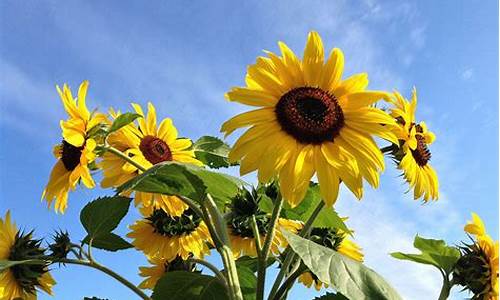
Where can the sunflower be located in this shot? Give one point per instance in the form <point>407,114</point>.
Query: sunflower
<point>147,145</point>
<point>164,236</point>
<point>411,152</point>
<point>477,268</point>
<point>336,240</point>
<point>245,205</point>
<point>76,151</point>
<point>159,267</point>
<point>310,121</point>
<point>21,281</point>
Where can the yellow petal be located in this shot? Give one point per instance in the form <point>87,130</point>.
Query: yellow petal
<point>332,72</point>
<point>313,59</point>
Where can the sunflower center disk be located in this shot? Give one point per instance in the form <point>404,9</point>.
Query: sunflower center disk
<point>70,155</point>
<point>310,115</point>
<point>421,154</point>
<point>155,150</point>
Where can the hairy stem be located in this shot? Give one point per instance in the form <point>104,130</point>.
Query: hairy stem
<point>289,254</point>
<point>262,259</point>
<point>258,249</point>
<point>109,272</point>
<point>211,267</point>
<point>220,228</point>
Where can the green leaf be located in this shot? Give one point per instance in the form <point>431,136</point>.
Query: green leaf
<point>123,120</point>
<point>433,252</point>
<point>248,282</point>
<point>180,285</point>
<point>351,278</point>
<point>109,242</point>
<point>252,262</point>
<point>212,151</point>
<point>101,216</point>
<point>173,178</point>
<point>332,296</point>
<point>5,264</point>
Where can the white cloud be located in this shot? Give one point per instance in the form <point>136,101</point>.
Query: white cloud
<point>467,74</point>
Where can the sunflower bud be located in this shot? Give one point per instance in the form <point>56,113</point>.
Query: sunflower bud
<point>329,237</point>
<point>244,205</point>
<point>61,246</point>
<point>473,271</point>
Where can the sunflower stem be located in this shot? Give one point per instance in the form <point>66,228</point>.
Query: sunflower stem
<point>124,157</point>
<point>445,289</point>
<point>290,255</point>
<point>107,271</point>
<point>283,290</point>
<point>225,250</point>
<point>262,259</point>
<point>256,234</point>
<point>211,267</point>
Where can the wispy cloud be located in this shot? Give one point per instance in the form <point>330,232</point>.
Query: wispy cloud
<point>467,74</point>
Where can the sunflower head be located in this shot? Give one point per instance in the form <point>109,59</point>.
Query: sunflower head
<point>164,236</point>
<point>473,271</point>
<point>309,121</point>
<point>22,280</point>
<point>243,206</point>
<point>329,237</point>
<point>27,275</point>
<point>61,245</point>
<point>167,225</point>
<point>411,153</point>
<point>477,268</point>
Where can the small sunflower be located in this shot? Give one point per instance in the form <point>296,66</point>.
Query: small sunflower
<point>21,281</point>
<point>477,268</point>
<point>411,152</point>
<point>147,145</point>
<point>336,240</point>
<point>76,151</point>
<point>310,121</point>
<point>159,267</point>
<point>164,236</point>
<point>241,235</point>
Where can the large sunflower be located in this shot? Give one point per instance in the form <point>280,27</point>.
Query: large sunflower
<point>310,122</point>
<point>164,236</point>
<point>21,281</point>
<point>477,268</point>
<point>147,145</point>
<point>335,240</point>
<point>411,152</point>
<point>76,151</point>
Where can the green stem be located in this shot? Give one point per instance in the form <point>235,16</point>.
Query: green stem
<point>445,290</point>
<point>289,254</point>
<point>256,234</point>
<point>124,157</point>
<point>266,248</point>
<point>283,290</point>
<point>225,250</point>
<point>211,268</point>
<point>110,272</point>
<point>258,249</point>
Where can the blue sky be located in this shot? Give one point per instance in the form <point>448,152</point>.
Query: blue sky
<point>183,56</point>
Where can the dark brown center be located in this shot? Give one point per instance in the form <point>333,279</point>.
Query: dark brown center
<point>155,150</point>
<point>70,155</point>
<point>310,115</point>
<point>421,154</point>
